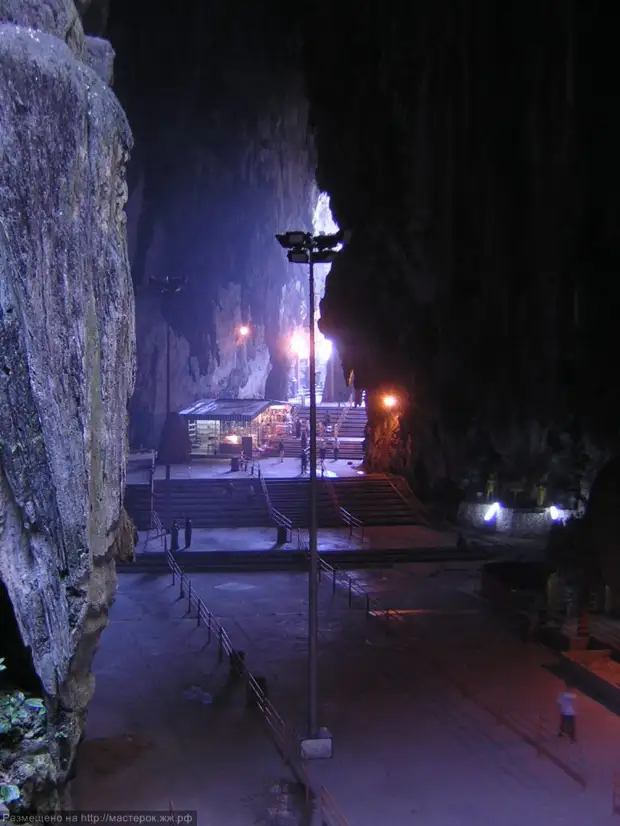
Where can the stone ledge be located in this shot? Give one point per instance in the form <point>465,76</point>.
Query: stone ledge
<point>602,688</point>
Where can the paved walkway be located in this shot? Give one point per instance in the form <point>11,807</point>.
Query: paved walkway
<point>150,738</point>
<point>271,468</point>
<point>330,539</point>
<point>409,746</point>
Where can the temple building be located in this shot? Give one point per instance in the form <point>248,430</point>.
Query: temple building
<point>227,427</point>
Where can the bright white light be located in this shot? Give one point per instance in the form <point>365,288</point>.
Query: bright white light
<point>492,511</point>
<point>322,223</point>
<point>554,513</point>
<point>390,402</point>
<point>324,349</point>
<point>299,346</point>
<point>244,331</point>
<point>322,218</point>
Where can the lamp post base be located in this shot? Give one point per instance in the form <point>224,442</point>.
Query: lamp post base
<point>319,747</point>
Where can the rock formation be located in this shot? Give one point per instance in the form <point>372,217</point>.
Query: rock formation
<point>67,357</point>
<point>222,163</point>
<point>472,149</point>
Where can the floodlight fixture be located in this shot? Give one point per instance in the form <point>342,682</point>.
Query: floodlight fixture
<point>298,256</point>
<point>328,242</point>
<point>293,239</point>
<point>325,256</point>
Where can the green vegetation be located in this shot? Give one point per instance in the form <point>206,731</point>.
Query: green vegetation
<point>21,718</point>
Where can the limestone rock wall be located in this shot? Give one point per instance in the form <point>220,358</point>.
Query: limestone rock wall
<point>472,149</point>
<point>223,161</point>
<point>67,353</point>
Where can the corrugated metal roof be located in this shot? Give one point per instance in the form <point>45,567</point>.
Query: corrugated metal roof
<point>226,410</point>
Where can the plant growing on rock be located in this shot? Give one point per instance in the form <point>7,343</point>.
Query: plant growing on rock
<point>16,713</point>
<point>9,792</point>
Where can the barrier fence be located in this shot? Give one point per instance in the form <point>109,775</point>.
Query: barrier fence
<point>354,524</point>
<point>157,531</point>
<point>283,522</point>
<point>284,736</point>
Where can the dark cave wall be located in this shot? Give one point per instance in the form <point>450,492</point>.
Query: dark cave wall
<point>222,162</point>
<point>472,149</point>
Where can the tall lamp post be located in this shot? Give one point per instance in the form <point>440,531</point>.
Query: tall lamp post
<point>170,286</point>
<point>304,248</point>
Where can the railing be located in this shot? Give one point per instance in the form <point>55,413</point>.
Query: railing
<point>354,524</point>
<point>285,738</point>
<point>152,494</point>
<point>251,466</point>
<point>157,529</point>
<point>412,503</point>
<point>283,522</point>
<point>266,494</point>
<point>303,543</point>
<point>347,406</point>
<point>331,815</point>
<point>279,518</point>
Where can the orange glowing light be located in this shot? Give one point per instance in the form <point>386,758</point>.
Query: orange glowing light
<point>390,402</point>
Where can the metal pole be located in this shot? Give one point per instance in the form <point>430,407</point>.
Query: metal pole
<point>168,518</point>
<point>313,612</point>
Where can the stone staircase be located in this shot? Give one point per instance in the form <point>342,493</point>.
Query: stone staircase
<point>138,505</point>
<point>292,498</point>
<point>211,503</point>
<point>353,423</point>
<point>351,431</point>
<point>375,500</point>
<point>350,450</point>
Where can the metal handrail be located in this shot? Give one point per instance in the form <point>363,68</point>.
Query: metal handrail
<point>347,406</point>
<point>280,519</point>
<point>157,528</point>
<point>353,522</point>
<point>285,737</point>
<point>331,813</point>
<point>410,503</point>
<point>266,494</point>
<point>303,544</point>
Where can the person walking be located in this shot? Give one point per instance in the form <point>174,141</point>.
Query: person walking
<point>336,448</point>
<point>567,704</point>
<point>281,450</point>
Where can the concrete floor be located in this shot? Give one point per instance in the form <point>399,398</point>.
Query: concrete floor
<point>271,468</point>
<point>151,742</point>
<point>330,539</point>
<point>409,747</point>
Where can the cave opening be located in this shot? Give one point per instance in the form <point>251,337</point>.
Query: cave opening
<point>19,670</point>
